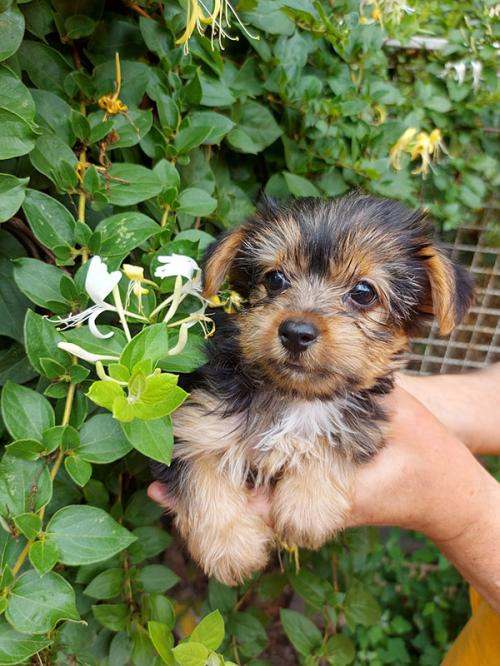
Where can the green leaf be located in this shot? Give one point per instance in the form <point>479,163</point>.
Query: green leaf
<point>12,192</point>
<point>249,631</point>
<point>102,440</point>
<point>161,609</point>
<point>79,25</point>
<point>78,469</point>
<point>53,114</point>
<point>208,91</point>
<point>16,648</point>
<point>157,578</point>
<point>43,556</point>
<point>104,393</point>
<point>191,654</point>
<point>12,31</point>
<point>14,95</point>
<point>124,232</point>
<point>16,135</point>
<point>50,221</point>
<point>153,438</point>
<point>361,607</point>
<point>14,365</point>
<point>151,343</point>
<point>210,631</point>
<point>13,303</point>
<point>106,585</point>
<point>112,616</point>
<point>163,641</point>
<point>340,650</point>
<point>131,183</point>
<point>42,340</point>
<point>196,202</point>
<point>37,603</point>
<point>159,397</point>
<point>151,541</point>
<point>25,412</point>
<point>29,524</point>
<point>191,137</point>
<point>86,534</point>
<point>255,128</point>
<point>299,186</point>
<point>40,282</point>
<point>45,66</point>
<point>302,633</point>
<point>310,587</point>
<point>29,449</point>
<point>220,125</point>
<point>25,486</point>
<point>131,128</point>
<point>55,159</point>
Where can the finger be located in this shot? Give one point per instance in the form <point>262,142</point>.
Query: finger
<point>260,501</point>
<point>158,493</point>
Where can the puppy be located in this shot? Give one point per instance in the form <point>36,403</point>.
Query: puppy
<point>333,291</point>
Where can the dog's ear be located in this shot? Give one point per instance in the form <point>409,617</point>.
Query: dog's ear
<point>450,291</point>
<point>219,259</point>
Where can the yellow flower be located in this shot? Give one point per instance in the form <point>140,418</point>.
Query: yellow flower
<point>199,16</point>
<point>381,114</point>
<point>400,147</point>
<point>230,301</point>
<point>136,276</point>
<point>427,147</point>
<point>111,103</point>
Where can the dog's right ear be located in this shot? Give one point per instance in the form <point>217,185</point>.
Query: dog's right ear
<point>219,259</point>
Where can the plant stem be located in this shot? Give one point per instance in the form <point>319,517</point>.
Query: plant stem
<point>82,162</point>
<point>121,312</point>
<point>164,217</point>
<point>53,472</point>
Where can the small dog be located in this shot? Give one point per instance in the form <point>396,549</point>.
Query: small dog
<point>333,291</point>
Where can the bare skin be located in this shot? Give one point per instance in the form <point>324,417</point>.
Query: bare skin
<point>425,479</point>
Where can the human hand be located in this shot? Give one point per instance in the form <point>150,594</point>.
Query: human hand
<point>424,479</point>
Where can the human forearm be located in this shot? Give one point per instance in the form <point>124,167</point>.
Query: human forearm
<point>467,404</point>
<point>426,480</point>
<point>475,549</point>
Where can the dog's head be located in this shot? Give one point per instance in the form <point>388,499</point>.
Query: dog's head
<point>334,289</point>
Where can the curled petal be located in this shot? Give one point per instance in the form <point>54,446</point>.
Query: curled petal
<point>93,328</point>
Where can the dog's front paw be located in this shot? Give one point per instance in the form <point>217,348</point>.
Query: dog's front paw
<point>232,549</point>
<point>308,519</point>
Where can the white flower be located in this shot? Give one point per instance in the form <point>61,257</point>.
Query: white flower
<point>477,69</point>
<point>176,264</point>
<point>80,352</point>
<point>459,68</point>
<point>99,283</point>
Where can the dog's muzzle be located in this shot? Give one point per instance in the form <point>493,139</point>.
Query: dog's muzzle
<point>297,336</point>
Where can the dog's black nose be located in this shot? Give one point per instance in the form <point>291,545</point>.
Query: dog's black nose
<point>297,336</point>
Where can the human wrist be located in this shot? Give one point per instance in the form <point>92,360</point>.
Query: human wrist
<point>458,495</point>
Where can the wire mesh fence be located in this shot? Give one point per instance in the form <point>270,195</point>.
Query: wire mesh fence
<point>476,341</point>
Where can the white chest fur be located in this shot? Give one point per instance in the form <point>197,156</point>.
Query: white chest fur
<point>296,430</point>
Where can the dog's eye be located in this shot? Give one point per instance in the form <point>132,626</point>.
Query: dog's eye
<point>363,293</point>
<point>275,282</point>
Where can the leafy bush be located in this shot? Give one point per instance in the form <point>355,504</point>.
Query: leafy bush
<point>119,143</point>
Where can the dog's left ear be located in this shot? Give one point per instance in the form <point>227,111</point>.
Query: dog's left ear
<point>219,259</point>
<point>451,291</point>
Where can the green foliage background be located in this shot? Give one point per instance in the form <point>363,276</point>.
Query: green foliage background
<point>311,108</point>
